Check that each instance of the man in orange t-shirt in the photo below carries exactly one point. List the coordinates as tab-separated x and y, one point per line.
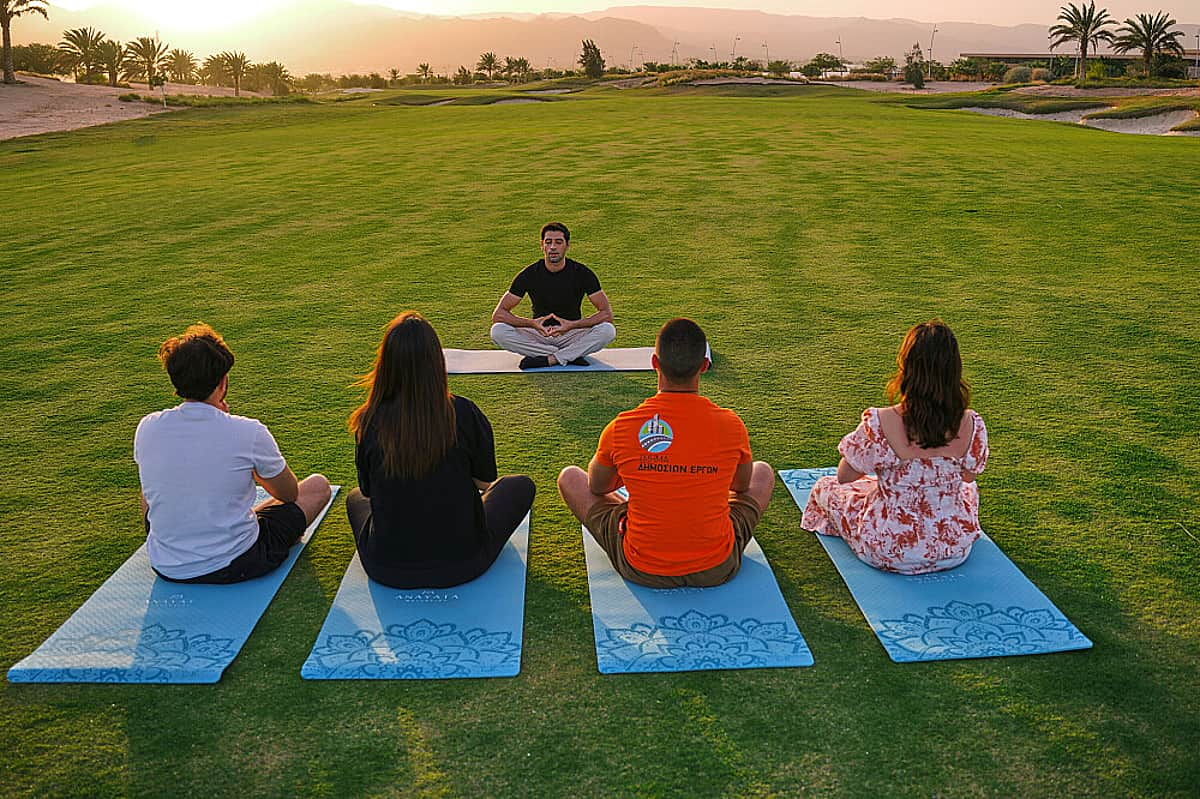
695	494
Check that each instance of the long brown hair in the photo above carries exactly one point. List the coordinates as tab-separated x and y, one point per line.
929	382
409	403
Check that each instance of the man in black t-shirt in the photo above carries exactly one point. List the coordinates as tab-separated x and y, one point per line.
558	333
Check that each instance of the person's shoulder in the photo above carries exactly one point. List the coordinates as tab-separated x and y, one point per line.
647	405
462	404
241	425
466	411
727	415
581	268
152	418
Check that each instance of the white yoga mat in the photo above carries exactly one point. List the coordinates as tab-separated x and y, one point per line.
482	362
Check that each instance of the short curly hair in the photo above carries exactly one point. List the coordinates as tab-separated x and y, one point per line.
196	361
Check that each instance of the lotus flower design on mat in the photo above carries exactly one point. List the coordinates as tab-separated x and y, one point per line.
694	641
964	630
152	654
421	650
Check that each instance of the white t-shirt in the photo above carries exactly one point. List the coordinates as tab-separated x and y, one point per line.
196	464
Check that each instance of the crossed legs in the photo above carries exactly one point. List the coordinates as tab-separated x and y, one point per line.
565	348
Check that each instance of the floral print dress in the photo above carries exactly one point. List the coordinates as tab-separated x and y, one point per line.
907	516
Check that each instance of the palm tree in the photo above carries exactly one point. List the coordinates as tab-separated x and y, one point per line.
1084	25
424	72
182	67
276	76
79	46
215	72
10	10
488	63
236	65
147	59
393	76
111	56
1151	35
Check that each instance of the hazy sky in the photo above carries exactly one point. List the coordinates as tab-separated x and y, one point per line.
222	13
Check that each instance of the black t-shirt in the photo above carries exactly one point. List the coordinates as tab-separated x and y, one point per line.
559	293
437	519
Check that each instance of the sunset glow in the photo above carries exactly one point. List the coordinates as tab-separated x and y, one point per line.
218	14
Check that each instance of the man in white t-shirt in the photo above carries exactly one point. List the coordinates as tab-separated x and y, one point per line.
198	465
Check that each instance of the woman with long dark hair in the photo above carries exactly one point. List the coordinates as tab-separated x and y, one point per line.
423	455
905	498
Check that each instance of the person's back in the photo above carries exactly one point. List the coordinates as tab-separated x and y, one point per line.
198	465
423	455
676	453
201	503
406	510
695	494
905	498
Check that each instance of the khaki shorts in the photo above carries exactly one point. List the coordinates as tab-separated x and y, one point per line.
604	523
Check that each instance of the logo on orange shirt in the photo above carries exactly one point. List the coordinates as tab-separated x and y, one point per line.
656	435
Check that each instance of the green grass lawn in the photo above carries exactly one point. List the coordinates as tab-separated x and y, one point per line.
806	231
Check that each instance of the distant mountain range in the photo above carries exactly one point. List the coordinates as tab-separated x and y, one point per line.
341	37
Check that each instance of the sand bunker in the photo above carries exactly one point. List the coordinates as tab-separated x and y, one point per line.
516	100
40	105
1156	125
43	105
1062	116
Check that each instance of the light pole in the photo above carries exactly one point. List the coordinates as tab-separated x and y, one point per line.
733	52
839	44
1198	54
931	51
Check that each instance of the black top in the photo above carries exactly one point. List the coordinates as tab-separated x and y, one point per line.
559	293
436	519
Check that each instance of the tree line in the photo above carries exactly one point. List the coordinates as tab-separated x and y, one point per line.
91	57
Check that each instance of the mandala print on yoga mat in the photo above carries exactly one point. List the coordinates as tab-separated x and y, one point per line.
421	650
804	479
153	654
964	630
697	641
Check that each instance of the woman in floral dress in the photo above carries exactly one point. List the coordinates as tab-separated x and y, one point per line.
905	498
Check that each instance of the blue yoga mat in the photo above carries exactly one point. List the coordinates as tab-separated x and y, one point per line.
743	624
984	608
139	628
374	632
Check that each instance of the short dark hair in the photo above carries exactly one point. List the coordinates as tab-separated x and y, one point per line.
196	361
560	227
681	349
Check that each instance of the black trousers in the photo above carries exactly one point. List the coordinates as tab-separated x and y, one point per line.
505	504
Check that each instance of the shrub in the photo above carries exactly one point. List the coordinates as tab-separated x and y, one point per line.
875	76
1042	74
1096	71
914	67
1018	75
130	97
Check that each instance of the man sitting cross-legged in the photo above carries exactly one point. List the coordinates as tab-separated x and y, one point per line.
558	333
695	494
198	464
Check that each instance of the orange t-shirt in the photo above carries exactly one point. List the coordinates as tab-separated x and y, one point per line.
676	454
